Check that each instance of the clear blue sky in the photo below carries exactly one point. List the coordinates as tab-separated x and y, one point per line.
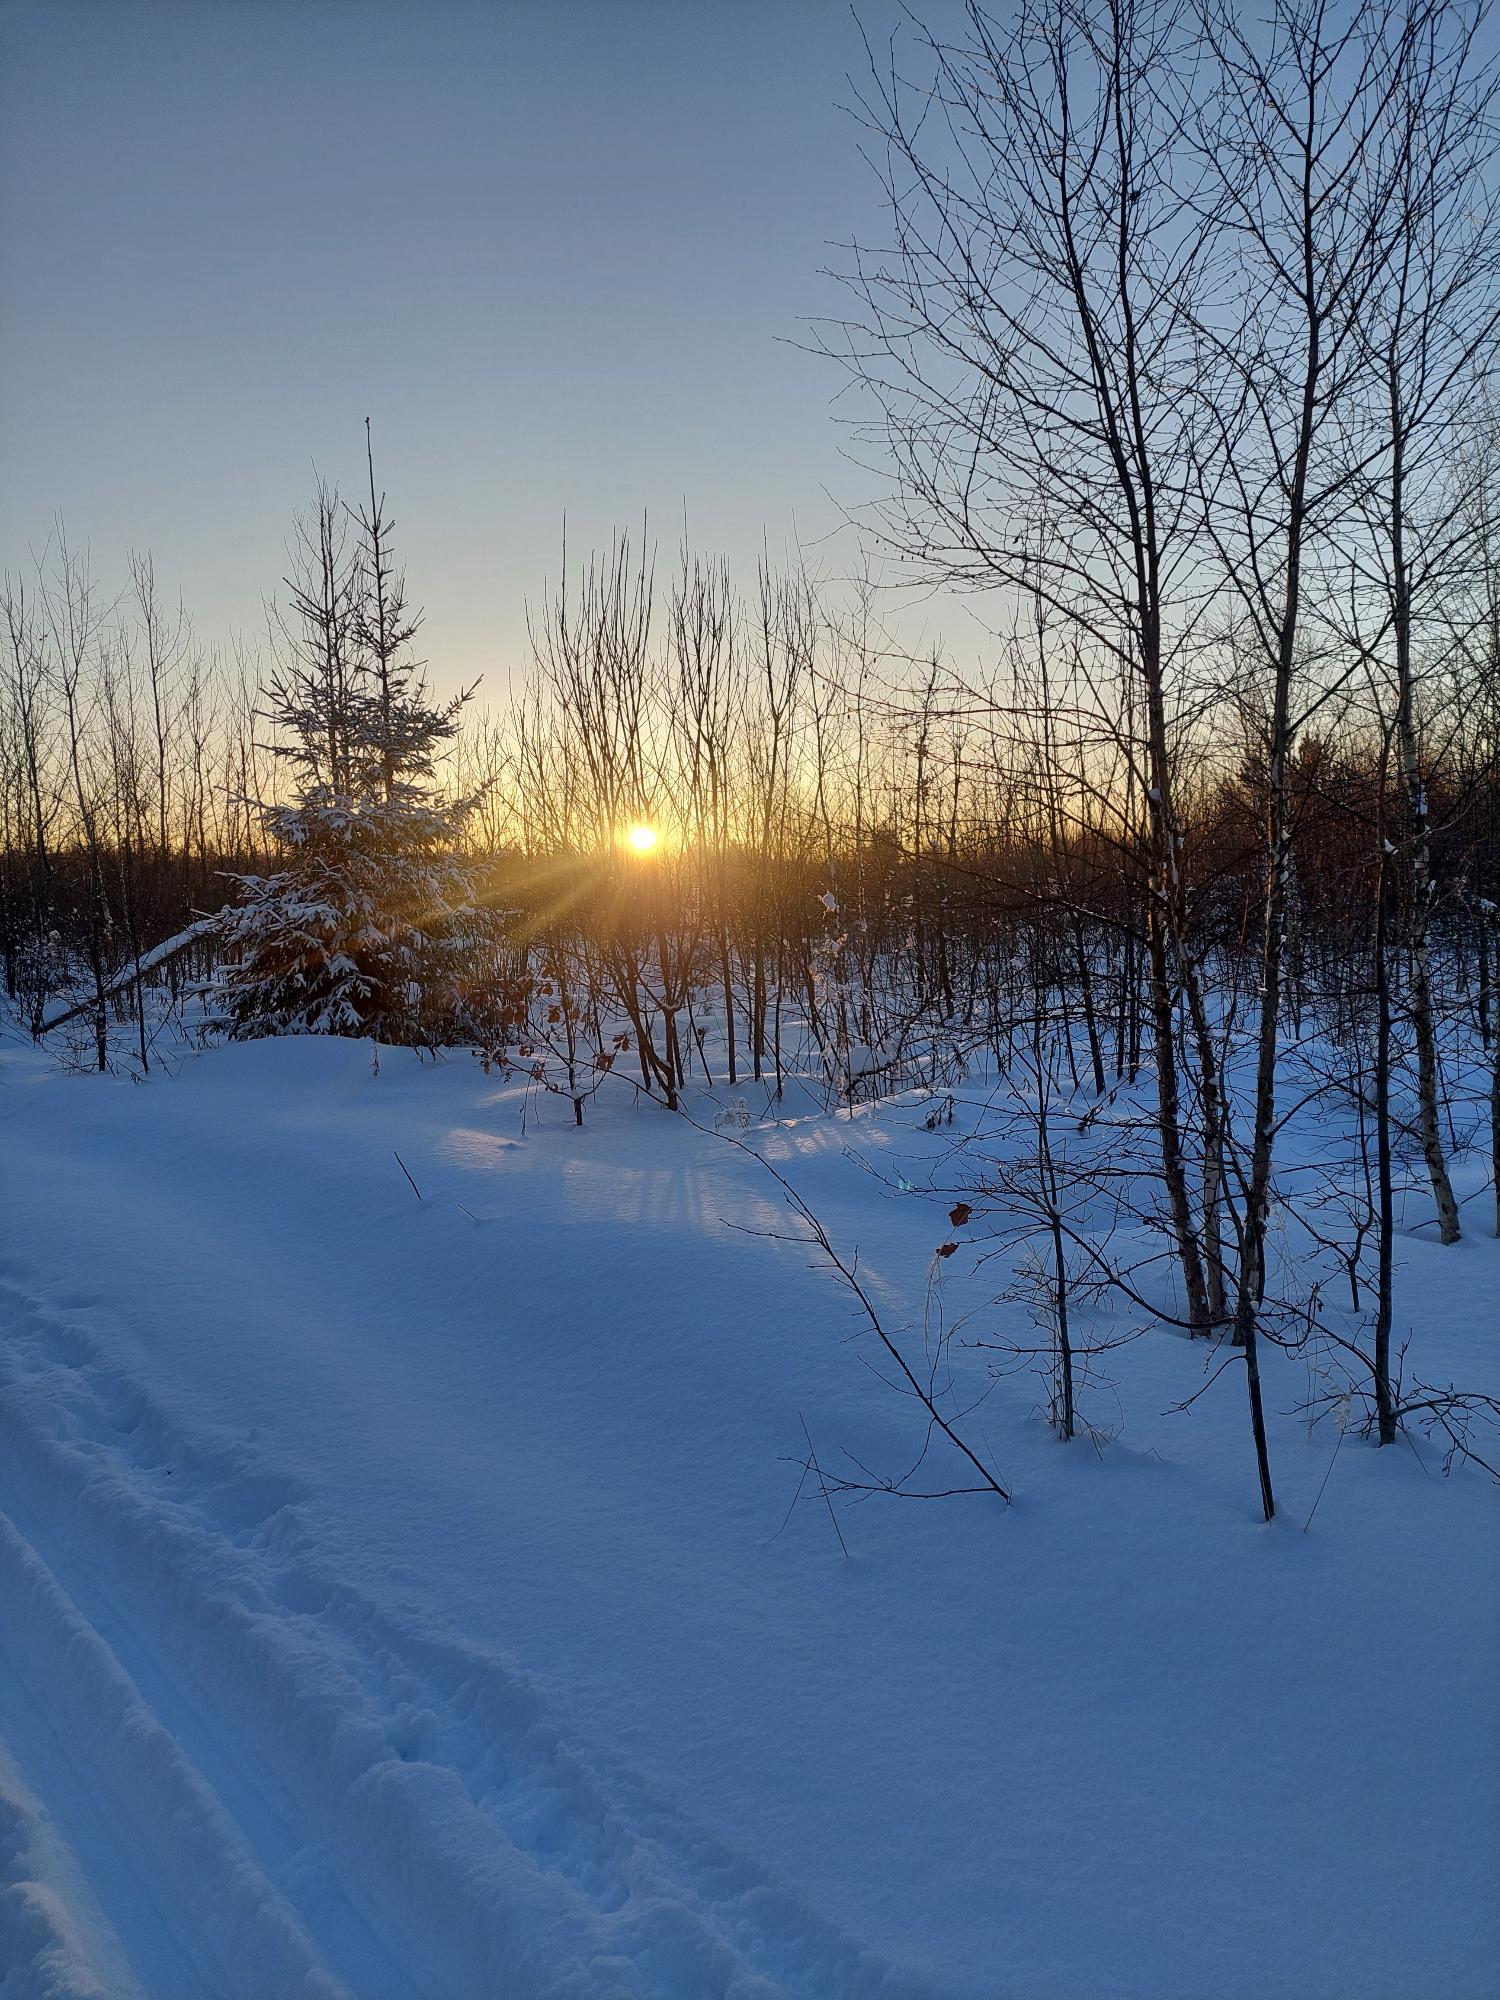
555	251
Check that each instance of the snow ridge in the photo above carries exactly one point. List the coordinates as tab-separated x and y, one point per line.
417	1824
58	1946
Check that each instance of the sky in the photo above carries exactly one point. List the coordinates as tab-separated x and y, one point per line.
561	254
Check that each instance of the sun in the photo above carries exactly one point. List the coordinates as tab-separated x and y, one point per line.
642	838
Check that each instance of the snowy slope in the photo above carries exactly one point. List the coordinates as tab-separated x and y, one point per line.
394	1604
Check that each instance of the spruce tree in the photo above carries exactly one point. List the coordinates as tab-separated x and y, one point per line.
369	926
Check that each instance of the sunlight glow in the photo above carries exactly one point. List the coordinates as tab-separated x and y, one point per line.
641	839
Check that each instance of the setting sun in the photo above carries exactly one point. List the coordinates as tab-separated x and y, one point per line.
1053	963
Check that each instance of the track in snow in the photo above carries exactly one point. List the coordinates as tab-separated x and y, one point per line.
266	1788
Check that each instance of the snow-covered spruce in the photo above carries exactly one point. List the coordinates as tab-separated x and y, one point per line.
370	926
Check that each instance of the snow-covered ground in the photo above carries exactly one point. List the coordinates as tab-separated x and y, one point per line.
404	1597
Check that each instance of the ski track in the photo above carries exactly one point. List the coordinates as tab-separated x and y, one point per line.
58	1944
365	1812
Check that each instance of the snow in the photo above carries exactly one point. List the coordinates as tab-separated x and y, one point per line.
400	1596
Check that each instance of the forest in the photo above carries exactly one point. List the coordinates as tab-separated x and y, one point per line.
1121	831
1210	426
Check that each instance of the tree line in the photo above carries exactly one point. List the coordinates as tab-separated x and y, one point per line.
1178	353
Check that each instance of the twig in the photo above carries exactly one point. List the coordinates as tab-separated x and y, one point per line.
818	1235
1326	1477
822	1486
